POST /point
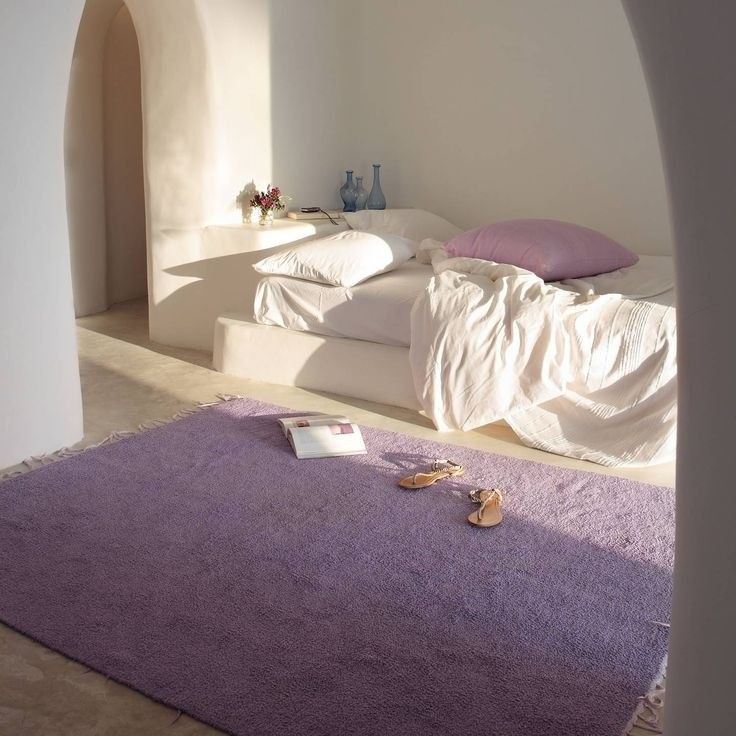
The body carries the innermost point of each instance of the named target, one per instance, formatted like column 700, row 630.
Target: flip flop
column 440, row 469
column 489, row 513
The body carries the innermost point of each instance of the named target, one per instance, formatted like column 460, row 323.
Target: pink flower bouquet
column 268, row 202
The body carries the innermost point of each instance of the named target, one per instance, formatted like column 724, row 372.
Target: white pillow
column 343, row 259
column 413, row 224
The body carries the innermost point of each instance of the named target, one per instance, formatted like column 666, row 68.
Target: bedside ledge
column 223, row 240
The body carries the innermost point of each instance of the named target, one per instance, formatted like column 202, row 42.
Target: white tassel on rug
column 38, row 461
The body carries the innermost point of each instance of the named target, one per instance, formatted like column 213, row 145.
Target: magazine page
column 312, row 420
column 327, row 440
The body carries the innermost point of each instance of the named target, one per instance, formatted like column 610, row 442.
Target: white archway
column 178, row 142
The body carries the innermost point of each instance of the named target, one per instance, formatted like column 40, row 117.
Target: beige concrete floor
column 128, row 380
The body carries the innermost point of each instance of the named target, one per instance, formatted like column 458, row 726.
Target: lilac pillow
column 552, row 250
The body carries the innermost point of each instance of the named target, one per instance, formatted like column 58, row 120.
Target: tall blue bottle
column 376, row 200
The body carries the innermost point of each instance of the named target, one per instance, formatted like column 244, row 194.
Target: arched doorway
column 179, row 154
column 125, row 206
column 104, row 161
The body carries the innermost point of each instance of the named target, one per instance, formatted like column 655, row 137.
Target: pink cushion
column 552, row 250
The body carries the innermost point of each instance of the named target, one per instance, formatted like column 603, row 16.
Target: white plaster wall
column 282, row 98
column 125, row 207
column 315, row 116
column 224, row 102
column 237, row 36
column 40, row 402
column 491, row 109
column 180, row 157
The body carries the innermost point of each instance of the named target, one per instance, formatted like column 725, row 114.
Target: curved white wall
column 493, row 109
column 40, row 402
column 688, row 53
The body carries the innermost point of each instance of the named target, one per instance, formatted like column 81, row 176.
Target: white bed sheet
column 378, row 310
column 591, row 378
column 652, row 279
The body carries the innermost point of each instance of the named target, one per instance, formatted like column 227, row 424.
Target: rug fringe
column 39, row 461
column 648, row 714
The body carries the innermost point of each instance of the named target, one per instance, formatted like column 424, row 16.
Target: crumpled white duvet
column 591, row 377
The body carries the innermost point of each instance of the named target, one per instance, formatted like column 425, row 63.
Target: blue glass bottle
column 348, row 193
column 361, row 194
column 376, row 200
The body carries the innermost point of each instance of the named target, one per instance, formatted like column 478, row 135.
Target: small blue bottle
column 376, row 200
column 348, row 193
column 361, row 194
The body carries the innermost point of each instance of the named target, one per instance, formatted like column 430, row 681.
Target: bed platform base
column 364, row 370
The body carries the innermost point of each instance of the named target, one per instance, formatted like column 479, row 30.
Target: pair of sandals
column 490, row 500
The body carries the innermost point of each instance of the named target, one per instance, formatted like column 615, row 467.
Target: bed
column 606, row 370
column 379, row 310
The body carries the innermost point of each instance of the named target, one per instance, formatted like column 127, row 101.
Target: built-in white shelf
column 221, row 240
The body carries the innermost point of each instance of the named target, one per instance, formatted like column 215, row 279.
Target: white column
column 40, row 401
column 689, row 57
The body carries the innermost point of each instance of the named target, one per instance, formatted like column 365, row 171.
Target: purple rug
column 205, row 566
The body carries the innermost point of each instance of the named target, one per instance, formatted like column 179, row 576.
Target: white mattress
column 379, row 310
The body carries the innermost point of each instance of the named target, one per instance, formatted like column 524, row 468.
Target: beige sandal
column 440, row 469
column 489, row 513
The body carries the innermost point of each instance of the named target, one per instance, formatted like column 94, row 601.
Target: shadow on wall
column 215, row 286
column 209, row 287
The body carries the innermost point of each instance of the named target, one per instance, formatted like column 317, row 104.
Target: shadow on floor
column 128, row 321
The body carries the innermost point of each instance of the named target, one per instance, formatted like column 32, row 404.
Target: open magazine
column 323, row 435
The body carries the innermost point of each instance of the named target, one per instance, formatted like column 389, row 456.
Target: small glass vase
column 265, row 219
column 361, row 196
column 376, row 200
column 348, row 193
